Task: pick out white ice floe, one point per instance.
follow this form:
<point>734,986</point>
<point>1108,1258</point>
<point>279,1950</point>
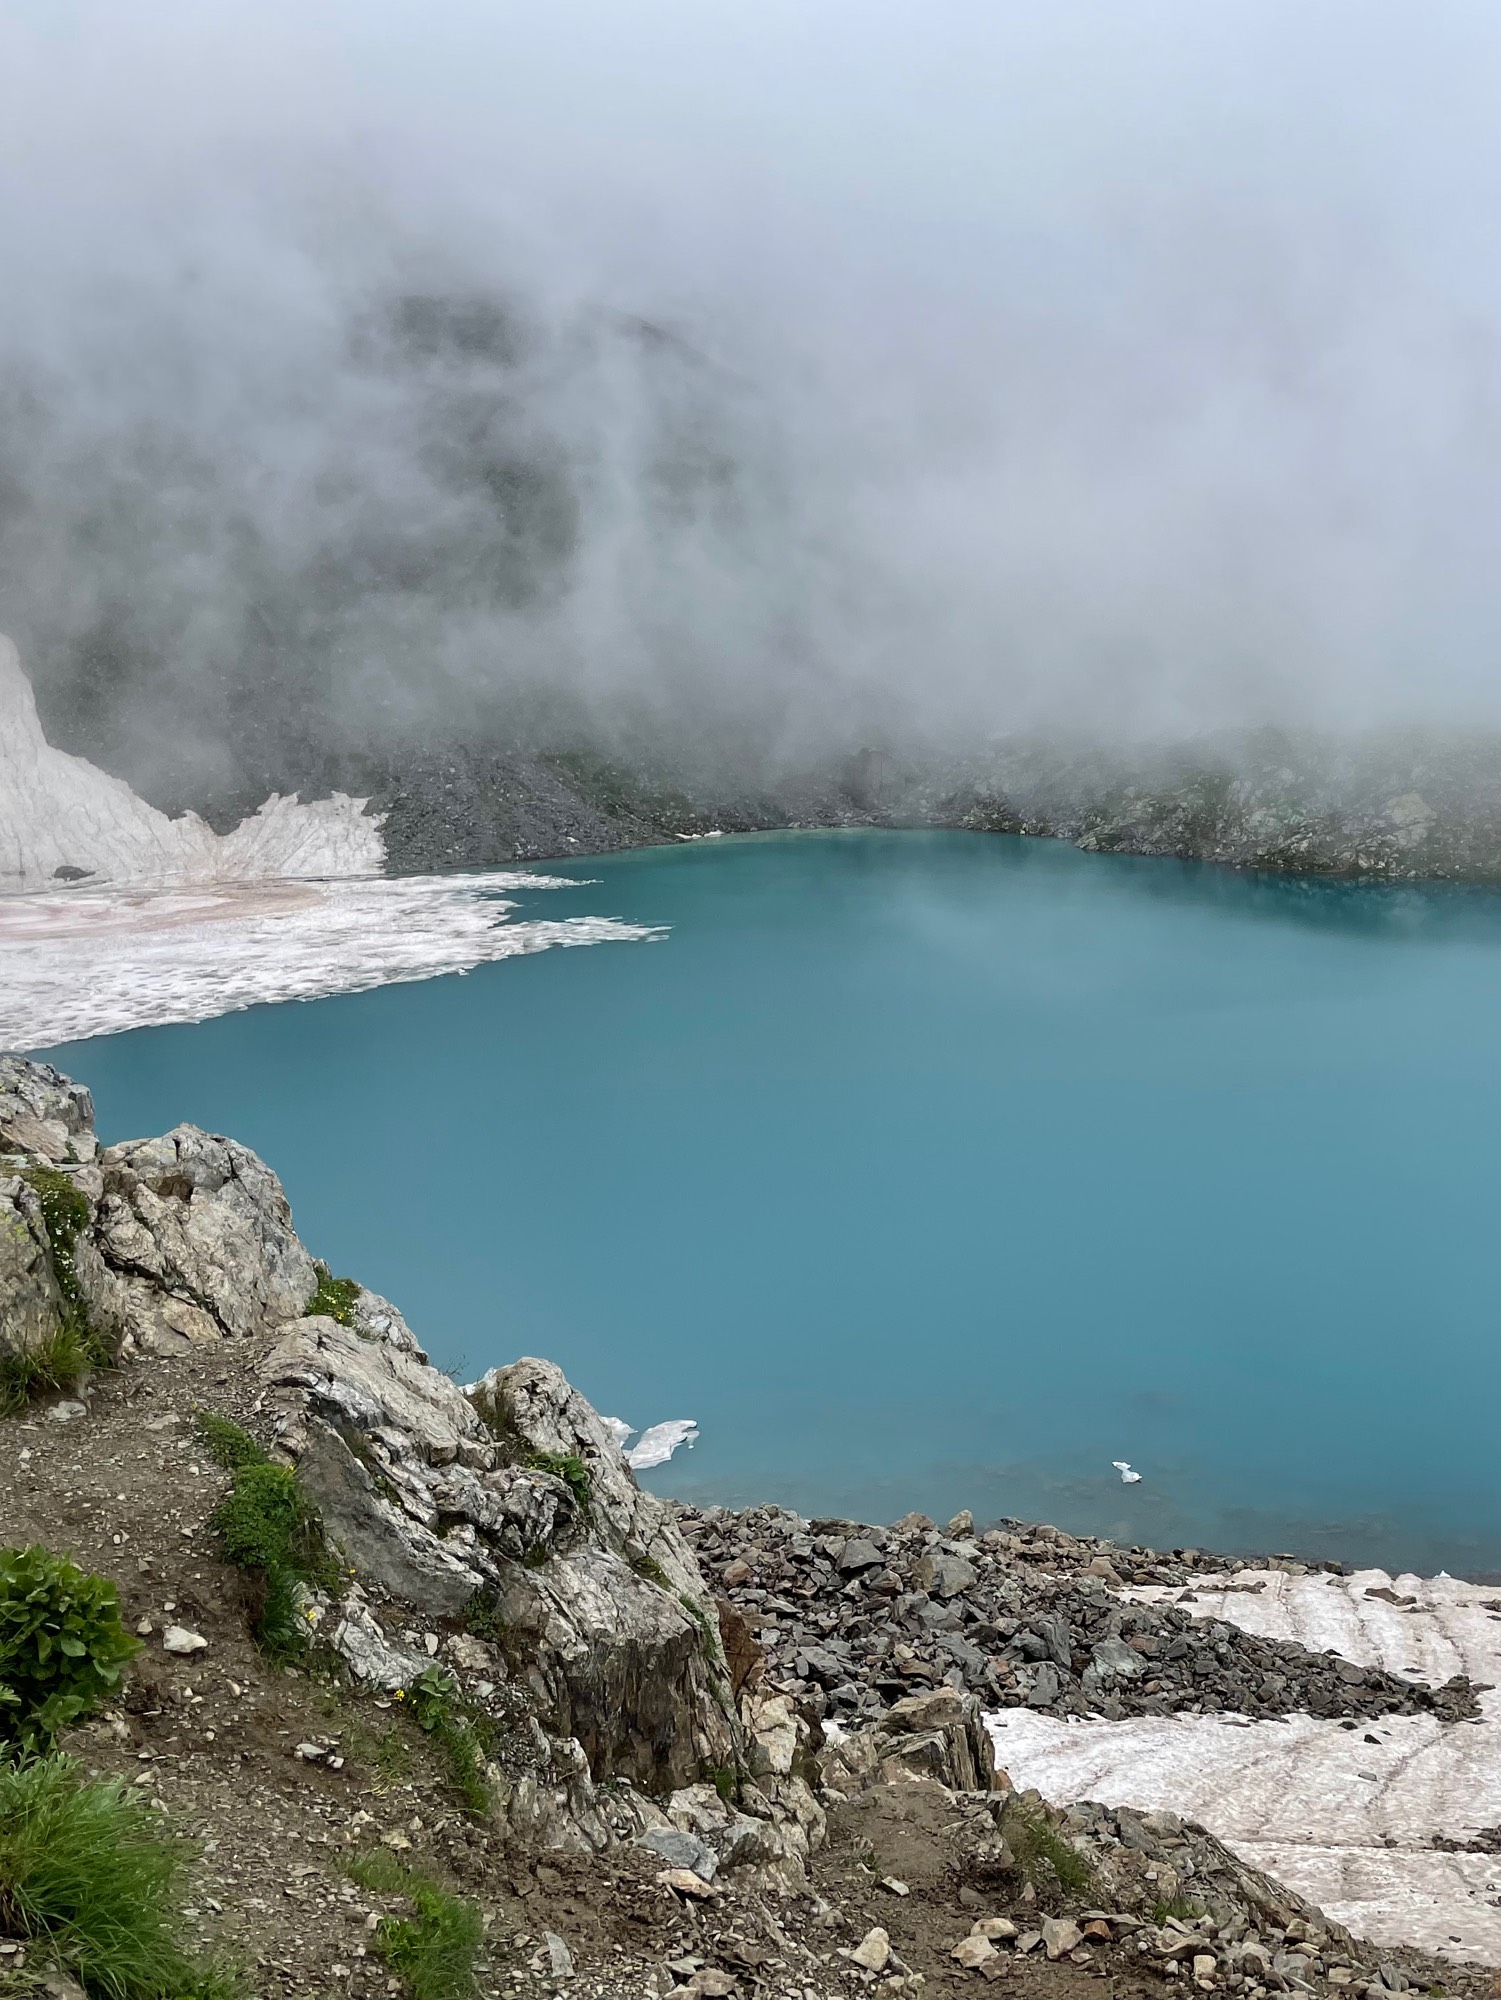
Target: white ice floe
<point>1128,1477</point>
<point>61,818</point>
<point>80,962</point>
<point>656,1444</point>
<point>1343,1820</point>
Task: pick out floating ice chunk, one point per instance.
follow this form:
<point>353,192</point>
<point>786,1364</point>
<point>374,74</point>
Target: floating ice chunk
<point>618,1430</point>
<point>1128,1477</point>
<point>656,1446</point>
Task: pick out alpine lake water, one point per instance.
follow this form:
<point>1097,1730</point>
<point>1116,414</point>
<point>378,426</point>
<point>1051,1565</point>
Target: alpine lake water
<point>935,1170</point>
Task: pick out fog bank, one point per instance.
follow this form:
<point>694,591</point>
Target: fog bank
<point>774,380</point>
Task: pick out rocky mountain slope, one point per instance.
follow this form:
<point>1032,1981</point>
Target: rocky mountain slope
<point>1396,809</point>
<point>403,1643</point>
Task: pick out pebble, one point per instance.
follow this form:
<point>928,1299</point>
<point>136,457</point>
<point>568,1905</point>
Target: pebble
<point>873,1952</point>
<point>178,1639</point>
<point>686,1883</point>
<point>972,1952</point>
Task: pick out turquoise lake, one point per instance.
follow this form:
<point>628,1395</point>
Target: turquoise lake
<point>935,1170</point>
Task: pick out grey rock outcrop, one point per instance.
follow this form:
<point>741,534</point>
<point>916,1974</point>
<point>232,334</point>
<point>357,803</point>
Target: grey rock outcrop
<point>31,1304</point>
<point>514,1505</point>
<point>518,1498</point>
<point>43,1112</point>
<point>198,1237</point>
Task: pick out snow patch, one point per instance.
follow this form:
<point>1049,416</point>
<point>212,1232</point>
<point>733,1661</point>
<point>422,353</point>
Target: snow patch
<point>1345,1821</point>
<point>82,962</point>
<point>62,819</point>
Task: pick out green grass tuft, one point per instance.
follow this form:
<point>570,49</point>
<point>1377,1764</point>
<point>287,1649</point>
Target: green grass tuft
<point>264,1526</point>
<point>225,1442</point>
<point>463,1734</point>
<point>335,1297</point>
<point>89,1879</point>
<point>652,1570</point>
<point>568,1467</point>
<point>54,1369</point>
<point>75,1351</point>
<point>1179,1907</point>
<point>1041,1850</point>
<point>435,1948</point>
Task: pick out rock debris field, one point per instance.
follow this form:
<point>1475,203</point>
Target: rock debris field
<point>856,1617</point>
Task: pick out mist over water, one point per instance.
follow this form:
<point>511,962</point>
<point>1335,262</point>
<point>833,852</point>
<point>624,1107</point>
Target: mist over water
<point>753,384</point>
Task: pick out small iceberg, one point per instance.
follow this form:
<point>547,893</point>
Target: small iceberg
<point>1128,1477</point>
<point>656,1444</point>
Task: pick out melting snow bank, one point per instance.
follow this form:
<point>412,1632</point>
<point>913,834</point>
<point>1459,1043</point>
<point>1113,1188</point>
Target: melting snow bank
<point>82,962</point>
<point>62,818</point>
<point>1347,1817</point>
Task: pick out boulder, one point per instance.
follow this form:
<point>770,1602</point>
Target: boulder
<point>944,1576</point>
<point>939,1737</point>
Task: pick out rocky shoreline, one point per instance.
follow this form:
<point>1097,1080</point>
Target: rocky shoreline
<point>1393,810</point>
<point>855,1617</point>
<point>653,1751</point>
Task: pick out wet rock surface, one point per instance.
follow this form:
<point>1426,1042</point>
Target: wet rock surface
<point>1020,1617</point>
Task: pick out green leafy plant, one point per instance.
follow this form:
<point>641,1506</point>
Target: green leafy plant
<point>335,1298</point>
<point>62,1646</point>
<point>435,1948</point>
<point>463,1734</point>
<point>91,1881</point>
<point>482,1616</point>
<point>74,1350</point>
<point>265,1527</point>
<point>568,1467</point>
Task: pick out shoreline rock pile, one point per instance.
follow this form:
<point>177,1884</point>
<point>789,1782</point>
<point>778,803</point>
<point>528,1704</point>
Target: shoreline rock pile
<point>853,1617</point>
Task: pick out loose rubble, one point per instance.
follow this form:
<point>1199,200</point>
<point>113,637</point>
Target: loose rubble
<point>853,1617</point>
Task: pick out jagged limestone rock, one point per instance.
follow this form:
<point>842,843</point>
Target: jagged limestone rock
<point>402,1558</point>
<point>413,1412</point>
<point>532,1405</point>
<point>32,1307</point>
<point>653,1702</point>
<point>938,1736</point>
<point>199,1236</point>
<point>600,1602</point>
<point>44,1112</point>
